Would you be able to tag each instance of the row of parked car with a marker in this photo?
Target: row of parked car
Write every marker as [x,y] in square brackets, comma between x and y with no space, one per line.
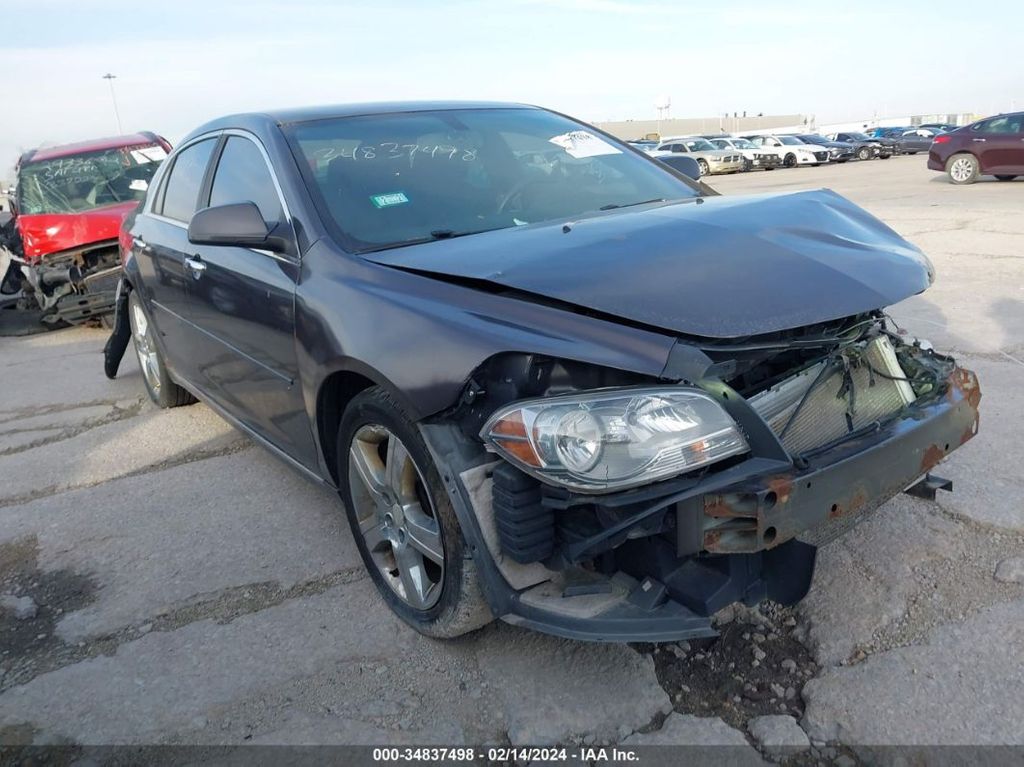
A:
[718,153]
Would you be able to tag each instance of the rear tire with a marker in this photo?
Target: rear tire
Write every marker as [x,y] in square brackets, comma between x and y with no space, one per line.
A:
[789,161]
[1005,178]
[405,527]
[161,388]
[963,168]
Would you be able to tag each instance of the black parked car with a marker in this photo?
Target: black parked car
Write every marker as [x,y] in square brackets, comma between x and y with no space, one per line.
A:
[865,147]
[838,151]
[552,381]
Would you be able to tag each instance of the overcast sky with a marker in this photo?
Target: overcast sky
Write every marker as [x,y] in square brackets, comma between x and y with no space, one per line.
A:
[181,63]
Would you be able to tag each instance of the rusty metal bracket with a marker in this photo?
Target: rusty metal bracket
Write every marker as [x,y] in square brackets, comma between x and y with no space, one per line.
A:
[928,486]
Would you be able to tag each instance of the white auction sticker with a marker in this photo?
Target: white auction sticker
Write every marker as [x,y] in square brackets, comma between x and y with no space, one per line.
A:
[581,143]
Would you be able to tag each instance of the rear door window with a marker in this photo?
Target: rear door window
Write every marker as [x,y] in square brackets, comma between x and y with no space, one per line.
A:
[181,191]
[1004,124]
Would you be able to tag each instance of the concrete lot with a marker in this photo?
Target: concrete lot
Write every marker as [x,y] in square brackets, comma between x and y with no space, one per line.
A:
[190,589]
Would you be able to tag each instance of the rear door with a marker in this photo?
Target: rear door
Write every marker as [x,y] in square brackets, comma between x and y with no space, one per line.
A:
[999,144]
[160,244]
[242,310]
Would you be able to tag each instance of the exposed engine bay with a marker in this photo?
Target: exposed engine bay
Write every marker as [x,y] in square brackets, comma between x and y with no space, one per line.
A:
[71,287]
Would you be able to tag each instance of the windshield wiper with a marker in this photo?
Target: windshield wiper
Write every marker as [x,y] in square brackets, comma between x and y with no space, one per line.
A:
[447,234]
[614,205]
[436,234]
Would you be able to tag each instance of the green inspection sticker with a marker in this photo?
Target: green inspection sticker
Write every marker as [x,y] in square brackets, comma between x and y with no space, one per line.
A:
[387,200]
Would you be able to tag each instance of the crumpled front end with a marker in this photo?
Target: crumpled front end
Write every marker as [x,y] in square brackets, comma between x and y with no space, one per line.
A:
[834,431]
[72,286]
[64,267]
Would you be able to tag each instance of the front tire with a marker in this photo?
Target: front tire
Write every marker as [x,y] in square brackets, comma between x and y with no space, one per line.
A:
[963,169]
[405,527]
[160,386]
[704,169]
[863,153]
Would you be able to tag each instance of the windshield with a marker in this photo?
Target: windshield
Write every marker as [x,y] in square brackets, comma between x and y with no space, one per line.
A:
[742,143]
[86,181]
[699,145]
[813,139]
[395,179]
[790,140]
[859,136]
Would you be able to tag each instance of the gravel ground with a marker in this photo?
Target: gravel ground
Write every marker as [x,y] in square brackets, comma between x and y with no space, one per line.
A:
[168,582]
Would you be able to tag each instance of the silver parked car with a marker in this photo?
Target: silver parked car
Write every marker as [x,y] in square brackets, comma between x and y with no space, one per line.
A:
[710,159]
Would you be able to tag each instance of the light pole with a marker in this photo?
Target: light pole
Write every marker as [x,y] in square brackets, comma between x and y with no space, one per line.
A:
[110,79]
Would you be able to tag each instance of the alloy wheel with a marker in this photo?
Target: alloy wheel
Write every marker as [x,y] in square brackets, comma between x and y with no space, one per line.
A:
[396,516]
[145,348]
[961,169]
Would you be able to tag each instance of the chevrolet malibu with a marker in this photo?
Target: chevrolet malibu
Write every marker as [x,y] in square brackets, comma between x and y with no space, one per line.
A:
[552,380]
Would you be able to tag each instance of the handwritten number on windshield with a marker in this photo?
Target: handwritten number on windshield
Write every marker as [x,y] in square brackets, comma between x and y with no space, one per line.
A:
[393,151]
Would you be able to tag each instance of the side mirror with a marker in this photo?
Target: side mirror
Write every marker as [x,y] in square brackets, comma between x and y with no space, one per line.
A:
[685,165]
[239,225]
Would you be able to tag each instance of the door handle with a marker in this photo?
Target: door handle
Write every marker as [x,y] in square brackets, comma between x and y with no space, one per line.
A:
[141,244]
[977,139]
[195,265]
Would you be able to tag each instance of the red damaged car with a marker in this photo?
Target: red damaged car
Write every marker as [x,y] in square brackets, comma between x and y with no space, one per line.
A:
[59,252]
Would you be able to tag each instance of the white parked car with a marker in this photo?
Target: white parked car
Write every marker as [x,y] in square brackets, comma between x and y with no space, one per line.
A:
[767,159]
[792,150]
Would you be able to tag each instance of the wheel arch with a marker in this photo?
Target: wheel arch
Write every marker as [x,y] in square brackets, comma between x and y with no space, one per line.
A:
[337,389]
[960,152]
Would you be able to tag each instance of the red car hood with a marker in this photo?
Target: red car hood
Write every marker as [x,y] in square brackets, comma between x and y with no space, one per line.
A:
[46,233]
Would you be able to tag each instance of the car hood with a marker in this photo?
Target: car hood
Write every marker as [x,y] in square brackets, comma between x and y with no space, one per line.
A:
[46,233]
[723,267]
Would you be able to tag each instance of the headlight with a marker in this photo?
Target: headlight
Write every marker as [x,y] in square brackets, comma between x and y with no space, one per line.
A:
[615,438]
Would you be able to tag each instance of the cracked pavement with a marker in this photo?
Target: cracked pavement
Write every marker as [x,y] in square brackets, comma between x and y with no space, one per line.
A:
[193,590]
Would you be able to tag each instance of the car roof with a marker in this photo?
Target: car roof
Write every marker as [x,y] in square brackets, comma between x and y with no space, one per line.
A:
[92,145]
[332,111]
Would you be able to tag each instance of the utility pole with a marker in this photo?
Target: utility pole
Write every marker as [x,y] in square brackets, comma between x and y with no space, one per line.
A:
[110,79]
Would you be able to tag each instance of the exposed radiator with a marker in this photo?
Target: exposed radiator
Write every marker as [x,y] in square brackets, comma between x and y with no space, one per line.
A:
[823,417]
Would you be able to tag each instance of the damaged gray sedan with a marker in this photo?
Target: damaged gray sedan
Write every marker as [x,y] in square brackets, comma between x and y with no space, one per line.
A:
[553,381]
